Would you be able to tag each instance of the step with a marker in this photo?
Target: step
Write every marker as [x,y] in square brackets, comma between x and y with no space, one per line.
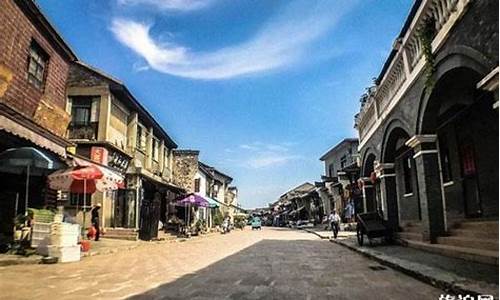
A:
[490,226]
[474,233]
[467,242]
[469,254]
[414,236]
[412,229]
[121,237]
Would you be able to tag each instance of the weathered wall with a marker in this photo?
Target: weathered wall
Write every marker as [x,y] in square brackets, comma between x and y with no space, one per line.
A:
[16,32]
[185,168]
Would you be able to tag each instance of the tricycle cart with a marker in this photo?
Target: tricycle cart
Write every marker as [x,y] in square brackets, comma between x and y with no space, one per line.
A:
[373,226]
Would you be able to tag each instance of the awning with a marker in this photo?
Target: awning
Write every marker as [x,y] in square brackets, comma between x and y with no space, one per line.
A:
[212,202]
[17,124]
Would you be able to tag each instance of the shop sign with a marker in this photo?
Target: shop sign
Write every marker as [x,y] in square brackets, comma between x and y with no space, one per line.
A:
[99,155]
[118,161]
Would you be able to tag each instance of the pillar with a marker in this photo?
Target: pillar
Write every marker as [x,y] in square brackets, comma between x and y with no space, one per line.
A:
[104,117]
[132,131]
[388,193]
[368,195]
[429,185]
[149,149]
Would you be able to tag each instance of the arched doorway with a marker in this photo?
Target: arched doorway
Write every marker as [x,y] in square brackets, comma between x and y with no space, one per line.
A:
[369,191]
[400,178]
[466,126]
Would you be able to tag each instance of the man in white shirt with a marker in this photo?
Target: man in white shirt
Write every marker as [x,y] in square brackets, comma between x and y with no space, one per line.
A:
[334,220]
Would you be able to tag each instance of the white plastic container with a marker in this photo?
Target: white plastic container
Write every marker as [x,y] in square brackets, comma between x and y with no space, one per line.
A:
[63,239]
[40,234]
[65,254]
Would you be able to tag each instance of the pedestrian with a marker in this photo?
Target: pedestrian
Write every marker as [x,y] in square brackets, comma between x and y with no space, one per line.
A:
[95,220]
[334,220]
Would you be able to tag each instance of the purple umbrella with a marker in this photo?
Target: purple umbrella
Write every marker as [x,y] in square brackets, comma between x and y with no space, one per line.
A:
[193,199]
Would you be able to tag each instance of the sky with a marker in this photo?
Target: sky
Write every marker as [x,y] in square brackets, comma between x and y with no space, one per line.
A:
[262,88]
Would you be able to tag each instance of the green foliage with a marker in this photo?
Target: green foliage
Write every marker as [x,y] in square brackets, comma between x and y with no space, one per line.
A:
[218,219]
[425,34]
[240,221]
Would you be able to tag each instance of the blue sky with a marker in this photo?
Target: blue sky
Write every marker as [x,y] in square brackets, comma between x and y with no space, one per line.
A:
[262,88]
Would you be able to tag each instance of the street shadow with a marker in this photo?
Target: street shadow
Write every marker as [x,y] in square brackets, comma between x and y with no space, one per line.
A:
[263,270]
[292,269]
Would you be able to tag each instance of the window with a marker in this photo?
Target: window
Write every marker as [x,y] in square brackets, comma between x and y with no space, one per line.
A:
[141,138]
[197,185]
[154,151]
[407,166]
[330,170]
[343,162]
[444,152]
[81,111]
[77,199]
[37,63]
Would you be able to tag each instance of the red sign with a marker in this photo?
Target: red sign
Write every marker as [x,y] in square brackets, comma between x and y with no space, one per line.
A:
[99,155]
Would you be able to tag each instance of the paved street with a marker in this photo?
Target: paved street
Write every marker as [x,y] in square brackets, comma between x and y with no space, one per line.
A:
[268,264]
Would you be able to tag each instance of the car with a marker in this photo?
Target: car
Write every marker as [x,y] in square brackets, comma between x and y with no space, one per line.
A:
[256,224]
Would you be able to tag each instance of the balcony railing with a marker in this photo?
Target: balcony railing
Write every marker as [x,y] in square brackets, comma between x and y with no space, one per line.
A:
[408,61]
[83,131]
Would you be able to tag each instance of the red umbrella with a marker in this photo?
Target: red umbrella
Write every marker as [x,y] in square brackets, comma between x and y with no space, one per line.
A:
[80,179]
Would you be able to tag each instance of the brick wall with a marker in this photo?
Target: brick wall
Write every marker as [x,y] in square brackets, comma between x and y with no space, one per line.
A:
[185,168]
[16,34]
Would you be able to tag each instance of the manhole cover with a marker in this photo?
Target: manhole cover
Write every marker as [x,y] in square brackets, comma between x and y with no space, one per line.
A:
[377,268]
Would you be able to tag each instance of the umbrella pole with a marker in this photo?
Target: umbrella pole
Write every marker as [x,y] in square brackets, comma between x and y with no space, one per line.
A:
[84,201]
[27,191]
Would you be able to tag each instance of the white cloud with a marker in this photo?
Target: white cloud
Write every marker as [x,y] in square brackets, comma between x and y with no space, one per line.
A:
[259,155]
[269,159]
[173,5]
[281,42]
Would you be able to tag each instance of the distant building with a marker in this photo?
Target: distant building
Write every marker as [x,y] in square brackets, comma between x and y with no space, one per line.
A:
[339,184]
[342,155]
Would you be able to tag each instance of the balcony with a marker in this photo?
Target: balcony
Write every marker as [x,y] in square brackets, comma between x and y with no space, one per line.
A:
[83,131]
[407,62]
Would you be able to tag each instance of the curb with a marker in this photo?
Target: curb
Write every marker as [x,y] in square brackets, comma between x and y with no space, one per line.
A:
[446,281]
[317,234]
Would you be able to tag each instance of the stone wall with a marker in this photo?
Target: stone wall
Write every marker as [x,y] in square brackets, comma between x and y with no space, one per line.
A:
[185,166]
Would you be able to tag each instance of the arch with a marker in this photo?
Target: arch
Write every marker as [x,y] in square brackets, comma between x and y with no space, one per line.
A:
[462,122]
[394,132]
[447,62]
[368,164]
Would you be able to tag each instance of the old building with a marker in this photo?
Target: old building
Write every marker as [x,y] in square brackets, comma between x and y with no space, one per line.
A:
[112,128]
[301,203]
[197,177]
[429,126]
[339,185]
[34,64]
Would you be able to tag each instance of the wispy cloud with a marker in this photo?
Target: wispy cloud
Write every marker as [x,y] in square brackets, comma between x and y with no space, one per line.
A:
[259,155]
[281,42]
[170,5]
[269,159]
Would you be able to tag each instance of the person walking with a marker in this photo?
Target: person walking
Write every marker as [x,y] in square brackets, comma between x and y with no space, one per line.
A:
[334,220]
[95,220]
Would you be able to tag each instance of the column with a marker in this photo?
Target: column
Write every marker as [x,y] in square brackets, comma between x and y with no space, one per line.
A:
[388,193]
[149,149]
[132,131]
[429,185]
[368,195]
[161,157]
[104,117]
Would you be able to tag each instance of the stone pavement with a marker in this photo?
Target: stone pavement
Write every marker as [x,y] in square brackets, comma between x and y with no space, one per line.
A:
[274,263]
[452,274]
